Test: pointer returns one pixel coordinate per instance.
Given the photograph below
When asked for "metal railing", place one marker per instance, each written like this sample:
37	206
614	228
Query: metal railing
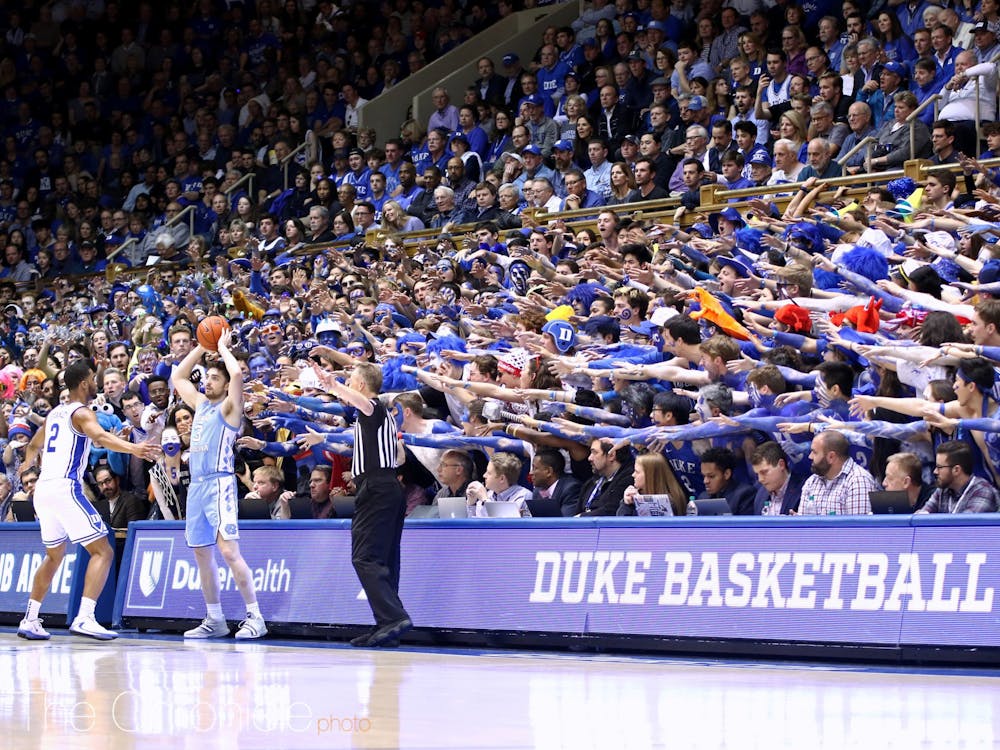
911	120
121	248
188	212
866	141
713	200
249	177
285	162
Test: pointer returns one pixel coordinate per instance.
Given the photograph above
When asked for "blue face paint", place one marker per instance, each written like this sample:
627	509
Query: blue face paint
260	370
759	400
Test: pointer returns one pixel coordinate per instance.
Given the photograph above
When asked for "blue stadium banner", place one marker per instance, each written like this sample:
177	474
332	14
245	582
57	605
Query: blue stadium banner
21	552
881	581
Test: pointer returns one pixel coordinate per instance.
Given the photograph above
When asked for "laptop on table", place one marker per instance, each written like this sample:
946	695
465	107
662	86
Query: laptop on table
453	507
890	502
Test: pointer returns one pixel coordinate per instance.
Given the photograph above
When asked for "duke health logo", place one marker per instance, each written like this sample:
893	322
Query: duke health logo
154	555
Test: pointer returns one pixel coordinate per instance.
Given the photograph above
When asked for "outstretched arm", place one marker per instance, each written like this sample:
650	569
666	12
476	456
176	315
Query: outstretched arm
345	393
86	422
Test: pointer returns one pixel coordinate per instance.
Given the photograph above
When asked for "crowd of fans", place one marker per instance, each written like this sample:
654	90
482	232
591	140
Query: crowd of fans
785	361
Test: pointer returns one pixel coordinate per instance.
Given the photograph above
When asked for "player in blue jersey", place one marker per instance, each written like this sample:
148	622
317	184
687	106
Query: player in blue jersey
64	512
212	501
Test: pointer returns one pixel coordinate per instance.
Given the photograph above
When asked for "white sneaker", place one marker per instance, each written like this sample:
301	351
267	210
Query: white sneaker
91	628
252	627
32	630
209	628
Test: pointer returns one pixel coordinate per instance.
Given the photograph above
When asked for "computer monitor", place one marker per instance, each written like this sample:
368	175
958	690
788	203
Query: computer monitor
502	510
453	507
254	509
300	508
23	510
343	506
713	507
890	502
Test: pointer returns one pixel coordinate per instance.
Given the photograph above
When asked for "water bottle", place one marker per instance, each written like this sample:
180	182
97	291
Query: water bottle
766	510
692	509
809	506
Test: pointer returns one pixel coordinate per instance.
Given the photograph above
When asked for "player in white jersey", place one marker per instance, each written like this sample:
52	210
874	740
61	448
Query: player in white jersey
212	502
64	512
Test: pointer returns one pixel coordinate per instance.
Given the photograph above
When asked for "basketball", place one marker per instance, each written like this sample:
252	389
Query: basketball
209	331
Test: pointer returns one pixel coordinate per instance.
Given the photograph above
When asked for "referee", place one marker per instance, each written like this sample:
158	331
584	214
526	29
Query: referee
377	527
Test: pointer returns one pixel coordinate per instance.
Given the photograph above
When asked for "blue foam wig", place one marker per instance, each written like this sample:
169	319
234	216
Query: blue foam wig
866	261
394	379
446	343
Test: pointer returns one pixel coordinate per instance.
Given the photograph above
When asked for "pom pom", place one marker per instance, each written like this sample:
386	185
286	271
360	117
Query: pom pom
902	188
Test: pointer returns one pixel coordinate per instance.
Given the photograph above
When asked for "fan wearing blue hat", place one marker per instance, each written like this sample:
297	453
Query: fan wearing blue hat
561	337
732	270
882	100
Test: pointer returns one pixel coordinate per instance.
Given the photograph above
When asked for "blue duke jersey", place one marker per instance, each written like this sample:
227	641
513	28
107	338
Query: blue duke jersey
212	441
65	451
686	465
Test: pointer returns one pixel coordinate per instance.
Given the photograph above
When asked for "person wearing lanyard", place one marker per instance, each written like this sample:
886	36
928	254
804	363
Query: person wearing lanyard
958	491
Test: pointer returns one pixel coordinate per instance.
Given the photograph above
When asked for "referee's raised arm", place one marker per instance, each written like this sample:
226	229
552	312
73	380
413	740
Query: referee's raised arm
356	394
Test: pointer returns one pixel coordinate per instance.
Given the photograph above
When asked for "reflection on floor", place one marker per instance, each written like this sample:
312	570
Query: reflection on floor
142	692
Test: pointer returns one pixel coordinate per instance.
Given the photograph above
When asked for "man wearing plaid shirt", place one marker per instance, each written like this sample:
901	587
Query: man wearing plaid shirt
958	491
837	485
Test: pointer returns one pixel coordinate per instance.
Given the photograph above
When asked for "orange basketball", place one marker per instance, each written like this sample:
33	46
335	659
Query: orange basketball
209	331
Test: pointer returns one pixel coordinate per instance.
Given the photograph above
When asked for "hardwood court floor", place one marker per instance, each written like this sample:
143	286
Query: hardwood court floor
144	692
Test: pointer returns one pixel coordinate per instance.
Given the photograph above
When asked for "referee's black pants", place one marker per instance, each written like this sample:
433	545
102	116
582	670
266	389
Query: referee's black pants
376	531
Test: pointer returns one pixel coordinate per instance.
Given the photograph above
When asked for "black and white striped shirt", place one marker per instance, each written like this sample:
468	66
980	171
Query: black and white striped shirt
374	441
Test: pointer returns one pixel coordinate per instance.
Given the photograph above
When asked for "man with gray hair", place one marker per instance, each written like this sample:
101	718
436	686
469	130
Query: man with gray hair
958	102
447	211
445	114
821	163
859	120
509	197
824	126
695	147
319	225
869	75
544	196
787	166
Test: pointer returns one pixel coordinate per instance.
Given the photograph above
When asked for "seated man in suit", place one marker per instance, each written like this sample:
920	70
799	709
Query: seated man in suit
602	494
122	507
556	492
717	466
779	490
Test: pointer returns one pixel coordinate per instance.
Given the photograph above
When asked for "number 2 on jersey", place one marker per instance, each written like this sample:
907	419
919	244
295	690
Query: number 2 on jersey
50	446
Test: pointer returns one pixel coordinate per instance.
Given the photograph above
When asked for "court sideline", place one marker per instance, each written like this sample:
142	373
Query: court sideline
146	692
